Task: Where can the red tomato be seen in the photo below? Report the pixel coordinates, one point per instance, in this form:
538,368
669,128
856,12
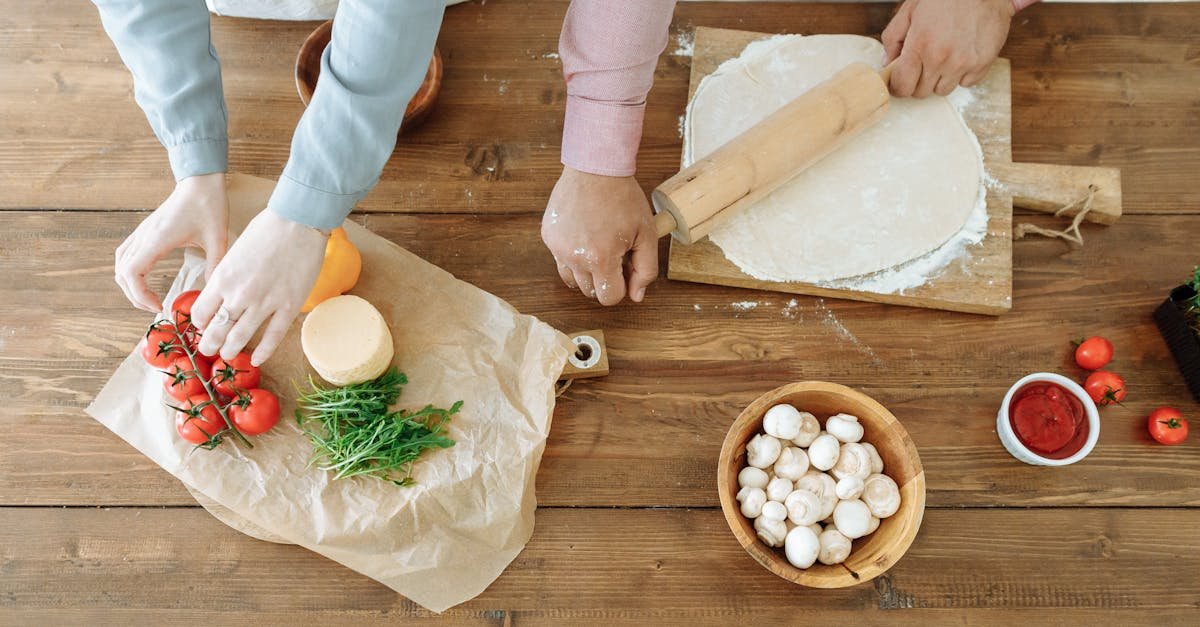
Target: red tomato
1105,387
182,381
199,420
1168,426
161,346
254,412
181,309
1093,353
231,377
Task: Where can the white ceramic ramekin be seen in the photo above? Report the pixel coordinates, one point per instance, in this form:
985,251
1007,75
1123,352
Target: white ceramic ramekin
1009,439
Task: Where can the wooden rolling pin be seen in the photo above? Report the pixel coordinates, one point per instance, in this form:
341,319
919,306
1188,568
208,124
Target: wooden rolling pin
757,162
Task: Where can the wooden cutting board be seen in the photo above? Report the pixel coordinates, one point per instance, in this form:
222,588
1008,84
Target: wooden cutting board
980,281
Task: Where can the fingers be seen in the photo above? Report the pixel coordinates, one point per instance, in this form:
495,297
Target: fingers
974,76
272,337
906,75
893,35
610,283
929,80
217,330
206,304
564,273
583,279
945,85
241,333
131,269
645,263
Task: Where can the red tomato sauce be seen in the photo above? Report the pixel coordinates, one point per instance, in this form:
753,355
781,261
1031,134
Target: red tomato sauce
1048,419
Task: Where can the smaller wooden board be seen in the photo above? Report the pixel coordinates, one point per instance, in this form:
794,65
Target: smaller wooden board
979,282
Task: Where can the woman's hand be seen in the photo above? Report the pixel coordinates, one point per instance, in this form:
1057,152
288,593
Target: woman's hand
591,221
263,280
941,44
195,214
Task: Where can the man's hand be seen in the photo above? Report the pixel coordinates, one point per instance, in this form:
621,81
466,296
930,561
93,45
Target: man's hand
591,222
942,44
195,214
265,276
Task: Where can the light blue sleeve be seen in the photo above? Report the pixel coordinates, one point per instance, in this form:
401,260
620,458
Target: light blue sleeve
167,46
373,66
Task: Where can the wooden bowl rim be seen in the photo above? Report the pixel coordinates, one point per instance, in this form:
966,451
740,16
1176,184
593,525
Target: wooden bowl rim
911,512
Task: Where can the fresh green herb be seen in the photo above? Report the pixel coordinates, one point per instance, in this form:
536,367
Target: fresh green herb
1193,304
354,433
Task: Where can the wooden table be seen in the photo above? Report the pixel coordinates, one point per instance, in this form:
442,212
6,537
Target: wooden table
628,530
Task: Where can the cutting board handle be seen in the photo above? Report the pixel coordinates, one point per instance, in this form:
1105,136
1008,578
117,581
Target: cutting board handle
1047,187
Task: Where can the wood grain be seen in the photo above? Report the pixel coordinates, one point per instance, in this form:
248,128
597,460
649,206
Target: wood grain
1133,66
595,564
683,365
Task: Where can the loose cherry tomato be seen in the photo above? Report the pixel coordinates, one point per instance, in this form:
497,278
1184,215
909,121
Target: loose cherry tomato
199,420
235,375
1093,353
181,309
254,411
181,380
1105,387
1168,426
161,346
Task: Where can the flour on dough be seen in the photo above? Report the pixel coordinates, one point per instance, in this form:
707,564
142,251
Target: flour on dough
899,190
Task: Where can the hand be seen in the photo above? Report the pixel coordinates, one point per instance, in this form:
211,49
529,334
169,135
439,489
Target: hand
266,274
591,222
942,44
195,214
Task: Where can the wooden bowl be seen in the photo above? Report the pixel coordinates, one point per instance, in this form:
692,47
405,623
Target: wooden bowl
870,556
308,69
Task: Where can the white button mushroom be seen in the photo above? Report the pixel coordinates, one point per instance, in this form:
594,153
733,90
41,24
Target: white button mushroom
774,510
876,460
751,477
844,427
873,526
835,547
853,461
778,489
801,547
852,518
810,428
823,486
782,421
752,500
762,451
849,487
804,507
823,452
771,532
817,528
881,495
792,463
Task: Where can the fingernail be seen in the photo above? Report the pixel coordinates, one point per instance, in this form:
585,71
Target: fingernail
639,294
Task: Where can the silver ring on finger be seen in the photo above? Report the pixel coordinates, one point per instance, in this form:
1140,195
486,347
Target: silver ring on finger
223,317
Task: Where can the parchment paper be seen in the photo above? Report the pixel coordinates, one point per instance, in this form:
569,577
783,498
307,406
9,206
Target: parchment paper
439,542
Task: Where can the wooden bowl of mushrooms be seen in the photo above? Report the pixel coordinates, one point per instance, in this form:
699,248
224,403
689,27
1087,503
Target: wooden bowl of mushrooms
821,484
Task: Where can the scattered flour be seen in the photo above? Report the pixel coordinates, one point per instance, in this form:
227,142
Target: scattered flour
682,124
746,305
831,322
791,310
685,44
550,55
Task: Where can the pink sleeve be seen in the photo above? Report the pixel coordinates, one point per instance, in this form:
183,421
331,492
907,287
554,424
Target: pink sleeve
609,50
1021,4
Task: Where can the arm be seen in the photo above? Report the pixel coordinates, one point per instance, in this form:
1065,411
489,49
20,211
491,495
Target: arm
373,66
597,212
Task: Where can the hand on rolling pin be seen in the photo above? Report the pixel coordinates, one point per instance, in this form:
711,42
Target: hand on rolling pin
195,214
941,44
591,222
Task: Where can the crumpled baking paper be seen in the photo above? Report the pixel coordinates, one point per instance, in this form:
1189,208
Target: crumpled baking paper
440,542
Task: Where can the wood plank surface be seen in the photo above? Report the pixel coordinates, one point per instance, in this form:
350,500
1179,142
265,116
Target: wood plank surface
593,565
1133,66
684,363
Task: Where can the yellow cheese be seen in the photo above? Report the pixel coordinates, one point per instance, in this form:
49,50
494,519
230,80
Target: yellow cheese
346,340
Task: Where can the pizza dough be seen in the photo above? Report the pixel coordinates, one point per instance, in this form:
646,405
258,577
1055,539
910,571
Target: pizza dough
896,192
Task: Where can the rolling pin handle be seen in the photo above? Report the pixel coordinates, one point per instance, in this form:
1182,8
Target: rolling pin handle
886,72
664,223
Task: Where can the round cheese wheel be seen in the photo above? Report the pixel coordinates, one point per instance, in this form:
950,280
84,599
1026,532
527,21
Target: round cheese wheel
346,340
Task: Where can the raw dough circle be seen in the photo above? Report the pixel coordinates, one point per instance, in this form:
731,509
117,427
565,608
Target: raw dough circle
896,192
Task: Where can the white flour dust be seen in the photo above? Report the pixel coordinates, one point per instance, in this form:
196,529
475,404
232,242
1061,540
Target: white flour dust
831,322
685,44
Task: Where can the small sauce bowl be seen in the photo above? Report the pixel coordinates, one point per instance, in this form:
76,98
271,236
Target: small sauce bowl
1013,444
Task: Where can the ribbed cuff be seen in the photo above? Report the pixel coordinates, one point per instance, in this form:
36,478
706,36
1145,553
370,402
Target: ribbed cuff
202,156
307,205
600,138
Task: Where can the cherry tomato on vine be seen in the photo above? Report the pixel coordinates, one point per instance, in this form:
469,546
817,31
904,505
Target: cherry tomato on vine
235,375
1167,426
1105,387
254,411
1093,353
199,420
181,380
181,310
161,346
